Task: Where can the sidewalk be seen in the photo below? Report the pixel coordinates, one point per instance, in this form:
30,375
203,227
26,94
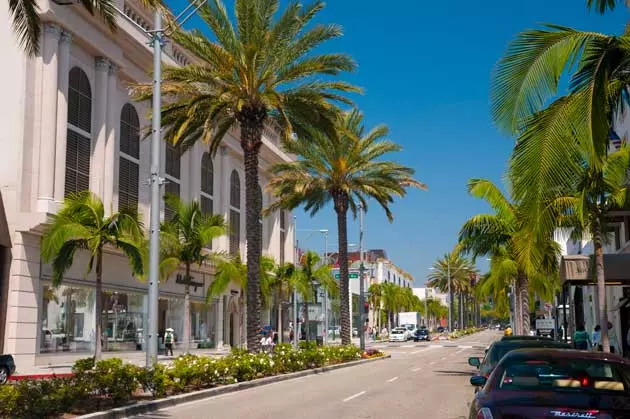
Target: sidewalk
135,357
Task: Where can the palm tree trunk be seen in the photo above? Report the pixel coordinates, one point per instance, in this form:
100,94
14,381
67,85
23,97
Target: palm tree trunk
518,318
524,292
341,208
601,286
279,327
252,123
186,337
97,306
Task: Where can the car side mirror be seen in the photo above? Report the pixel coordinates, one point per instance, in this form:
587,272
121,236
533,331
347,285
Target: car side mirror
478,380
473,361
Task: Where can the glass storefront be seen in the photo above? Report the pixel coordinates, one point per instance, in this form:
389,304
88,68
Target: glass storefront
68,319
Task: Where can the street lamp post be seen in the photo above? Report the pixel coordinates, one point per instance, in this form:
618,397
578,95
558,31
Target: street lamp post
361,283
295,304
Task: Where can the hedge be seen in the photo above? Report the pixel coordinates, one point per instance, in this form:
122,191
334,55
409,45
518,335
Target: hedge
112,382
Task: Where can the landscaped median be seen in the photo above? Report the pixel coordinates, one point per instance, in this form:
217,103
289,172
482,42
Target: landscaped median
463,332
111,383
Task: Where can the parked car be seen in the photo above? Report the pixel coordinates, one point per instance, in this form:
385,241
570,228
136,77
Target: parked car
421,334
441,329
7,367
411,330
497,350
398,334
539,383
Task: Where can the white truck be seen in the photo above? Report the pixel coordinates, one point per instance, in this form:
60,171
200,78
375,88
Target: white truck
409,317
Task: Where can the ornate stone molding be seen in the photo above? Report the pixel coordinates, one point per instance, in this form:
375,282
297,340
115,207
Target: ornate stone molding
52,29
66,37
102,64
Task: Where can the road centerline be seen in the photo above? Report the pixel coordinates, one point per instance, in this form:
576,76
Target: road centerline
354,396
391,380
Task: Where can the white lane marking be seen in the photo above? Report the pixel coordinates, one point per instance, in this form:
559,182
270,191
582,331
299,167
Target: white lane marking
354,396
391,380
443,358
431,363
416,369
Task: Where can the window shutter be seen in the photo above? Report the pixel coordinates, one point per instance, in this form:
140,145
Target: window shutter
170,188
206,205
235,231
128,184
78,151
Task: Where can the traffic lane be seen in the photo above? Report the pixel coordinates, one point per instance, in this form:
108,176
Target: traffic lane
441,391
336,393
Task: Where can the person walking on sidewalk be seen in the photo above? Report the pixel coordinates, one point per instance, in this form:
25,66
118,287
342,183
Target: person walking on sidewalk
168,341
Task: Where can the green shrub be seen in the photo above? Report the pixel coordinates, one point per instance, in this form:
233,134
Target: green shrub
108,378
39,398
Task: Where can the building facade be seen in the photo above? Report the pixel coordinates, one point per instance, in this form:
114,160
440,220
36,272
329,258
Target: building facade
71,126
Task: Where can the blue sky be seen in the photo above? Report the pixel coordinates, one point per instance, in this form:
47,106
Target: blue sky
425,67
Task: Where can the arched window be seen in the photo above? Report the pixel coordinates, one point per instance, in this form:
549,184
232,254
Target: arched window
283,235
235,213
129,161
79,143
172,170
207,181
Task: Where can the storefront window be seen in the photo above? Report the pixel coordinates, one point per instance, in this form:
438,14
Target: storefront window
67,319
202,323
122,320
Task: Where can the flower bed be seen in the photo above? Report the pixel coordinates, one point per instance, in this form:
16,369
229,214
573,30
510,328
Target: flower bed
459,333
111,382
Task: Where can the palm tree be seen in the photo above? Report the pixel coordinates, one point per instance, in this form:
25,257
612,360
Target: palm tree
517,256
283,282
27,23
346,169
460,273
308,276
260,72
570,135
186,237
602,6
234,271
375,292
81,224
392,301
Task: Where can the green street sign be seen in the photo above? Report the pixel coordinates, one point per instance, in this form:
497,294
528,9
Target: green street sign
351,275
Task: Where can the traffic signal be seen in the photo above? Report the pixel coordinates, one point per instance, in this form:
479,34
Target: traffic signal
366,307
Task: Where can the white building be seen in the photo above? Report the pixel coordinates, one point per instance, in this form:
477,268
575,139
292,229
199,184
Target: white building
433,293
68,124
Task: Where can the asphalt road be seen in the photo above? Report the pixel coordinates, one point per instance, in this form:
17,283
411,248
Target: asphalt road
423,380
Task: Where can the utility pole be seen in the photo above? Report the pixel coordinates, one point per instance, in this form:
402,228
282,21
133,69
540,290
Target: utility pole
154,238
426,306
295,304
325,259
450,296
361,283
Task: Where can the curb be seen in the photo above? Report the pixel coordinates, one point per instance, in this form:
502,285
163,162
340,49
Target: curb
151,406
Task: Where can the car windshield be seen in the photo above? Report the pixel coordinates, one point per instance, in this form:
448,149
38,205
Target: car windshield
563,375
396,332
498,351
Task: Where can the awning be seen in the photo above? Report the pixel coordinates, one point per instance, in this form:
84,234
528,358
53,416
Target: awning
580,269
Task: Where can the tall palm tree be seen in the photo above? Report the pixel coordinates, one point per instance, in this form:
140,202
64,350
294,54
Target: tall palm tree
81,224
569,136
261,71
517,256
186,236
602,6
460,273
346,168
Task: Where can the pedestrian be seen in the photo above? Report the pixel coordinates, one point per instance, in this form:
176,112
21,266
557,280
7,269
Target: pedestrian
597,338
612,339
581,339
168,341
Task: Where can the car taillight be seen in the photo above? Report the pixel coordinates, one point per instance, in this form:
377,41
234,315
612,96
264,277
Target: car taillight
484,413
